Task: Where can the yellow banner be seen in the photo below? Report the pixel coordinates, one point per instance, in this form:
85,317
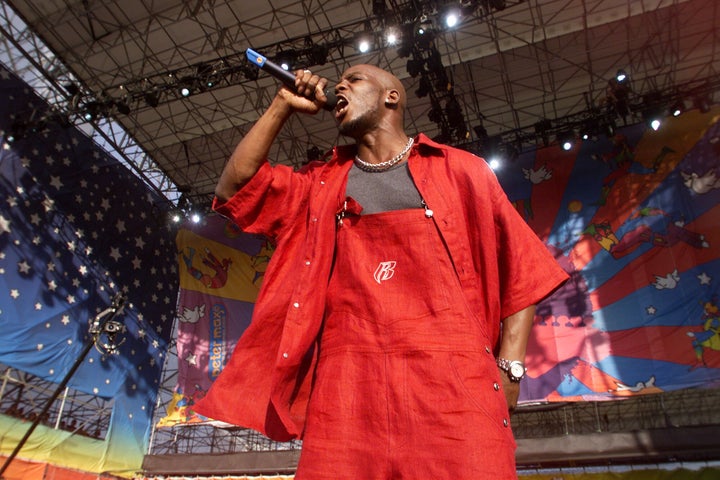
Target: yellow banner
210,267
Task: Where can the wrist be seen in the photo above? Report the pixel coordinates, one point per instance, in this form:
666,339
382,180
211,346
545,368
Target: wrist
515,369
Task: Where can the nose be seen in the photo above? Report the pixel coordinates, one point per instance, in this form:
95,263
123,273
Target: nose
341,86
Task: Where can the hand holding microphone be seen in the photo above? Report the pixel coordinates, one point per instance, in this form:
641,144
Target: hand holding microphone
286,77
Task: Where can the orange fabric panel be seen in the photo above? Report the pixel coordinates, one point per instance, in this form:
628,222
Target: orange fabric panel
23,470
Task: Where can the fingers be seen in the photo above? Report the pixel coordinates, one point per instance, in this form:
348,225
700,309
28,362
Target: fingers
310,85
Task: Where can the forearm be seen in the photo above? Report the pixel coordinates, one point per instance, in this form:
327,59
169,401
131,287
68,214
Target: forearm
513,344
515,333
253,149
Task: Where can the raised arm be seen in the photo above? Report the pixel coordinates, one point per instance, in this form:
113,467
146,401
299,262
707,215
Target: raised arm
253,149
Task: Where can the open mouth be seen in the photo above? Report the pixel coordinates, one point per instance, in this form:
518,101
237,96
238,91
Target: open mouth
341,106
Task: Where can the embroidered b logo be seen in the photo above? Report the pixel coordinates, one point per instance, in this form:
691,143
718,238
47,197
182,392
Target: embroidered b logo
384,271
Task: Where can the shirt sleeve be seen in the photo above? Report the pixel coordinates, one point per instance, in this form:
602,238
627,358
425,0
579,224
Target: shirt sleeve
268,202
528,273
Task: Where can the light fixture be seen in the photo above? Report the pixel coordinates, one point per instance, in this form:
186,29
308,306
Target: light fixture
451,17
313,153
541,129
621,76
286,59
480,132
391,38
652,117
653,109
566,140
186,86
414,67
90,111
677,108
589,129
318,54
379,7
152,99
122,107
363,45
424,87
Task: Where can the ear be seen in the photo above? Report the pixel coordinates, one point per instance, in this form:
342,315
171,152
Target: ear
392,98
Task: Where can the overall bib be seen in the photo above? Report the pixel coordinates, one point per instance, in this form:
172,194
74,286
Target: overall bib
406,385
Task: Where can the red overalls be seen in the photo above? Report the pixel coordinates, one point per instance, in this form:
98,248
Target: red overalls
406,385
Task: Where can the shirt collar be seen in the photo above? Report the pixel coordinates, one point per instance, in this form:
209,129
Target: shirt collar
347,152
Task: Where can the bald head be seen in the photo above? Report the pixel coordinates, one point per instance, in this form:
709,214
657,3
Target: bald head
386,79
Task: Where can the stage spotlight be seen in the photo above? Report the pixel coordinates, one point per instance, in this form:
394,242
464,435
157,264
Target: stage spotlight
313,153
414,67
318,55
90,111
286,59
480,132
491,147
541,129
621,76
152,99
589,129
208,75
364,44
379,7
424,87
677,108
391,38
186,86
451,17
71,88
424,32
122,107
566,140
495,4
195,217
652,117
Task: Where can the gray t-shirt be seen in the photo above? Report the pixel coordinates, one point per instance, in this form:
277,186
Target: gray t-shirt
378,192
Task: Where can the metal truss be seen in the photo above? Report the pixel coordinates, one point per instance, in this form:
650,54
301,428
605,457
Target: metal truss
510,68
23,395
679,408
27,56
194,439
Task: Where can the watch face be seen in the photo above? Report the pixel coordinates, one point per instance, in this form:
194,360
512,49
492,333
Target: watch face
517,370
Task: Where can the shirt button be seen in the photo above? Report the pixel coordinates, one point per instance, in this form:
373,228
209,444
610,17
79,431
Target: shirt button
322,182
487,349
505,422
285,355
307,262
314,219
296,305
496,386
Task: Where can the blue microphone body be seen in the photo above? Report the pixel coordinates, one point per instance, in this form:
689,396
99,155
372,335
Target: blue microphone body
287,78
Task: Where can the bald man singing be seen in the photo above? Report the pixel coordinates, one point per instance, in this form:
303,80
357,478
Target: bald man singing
391,328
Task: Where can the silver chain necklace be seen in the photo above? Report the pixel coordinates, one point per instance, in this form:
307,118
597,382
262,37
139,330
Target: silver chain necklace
381,167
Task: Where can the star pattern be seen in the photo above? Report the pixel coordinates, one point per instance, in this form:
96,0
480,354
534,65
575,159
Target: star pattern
73,233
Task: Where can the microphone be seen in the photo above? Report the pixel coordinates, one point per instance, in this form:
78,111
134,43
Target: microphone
287,78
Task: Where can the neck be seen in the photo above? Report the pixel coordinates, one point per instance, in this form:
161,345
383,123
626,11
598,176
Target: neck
378,149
